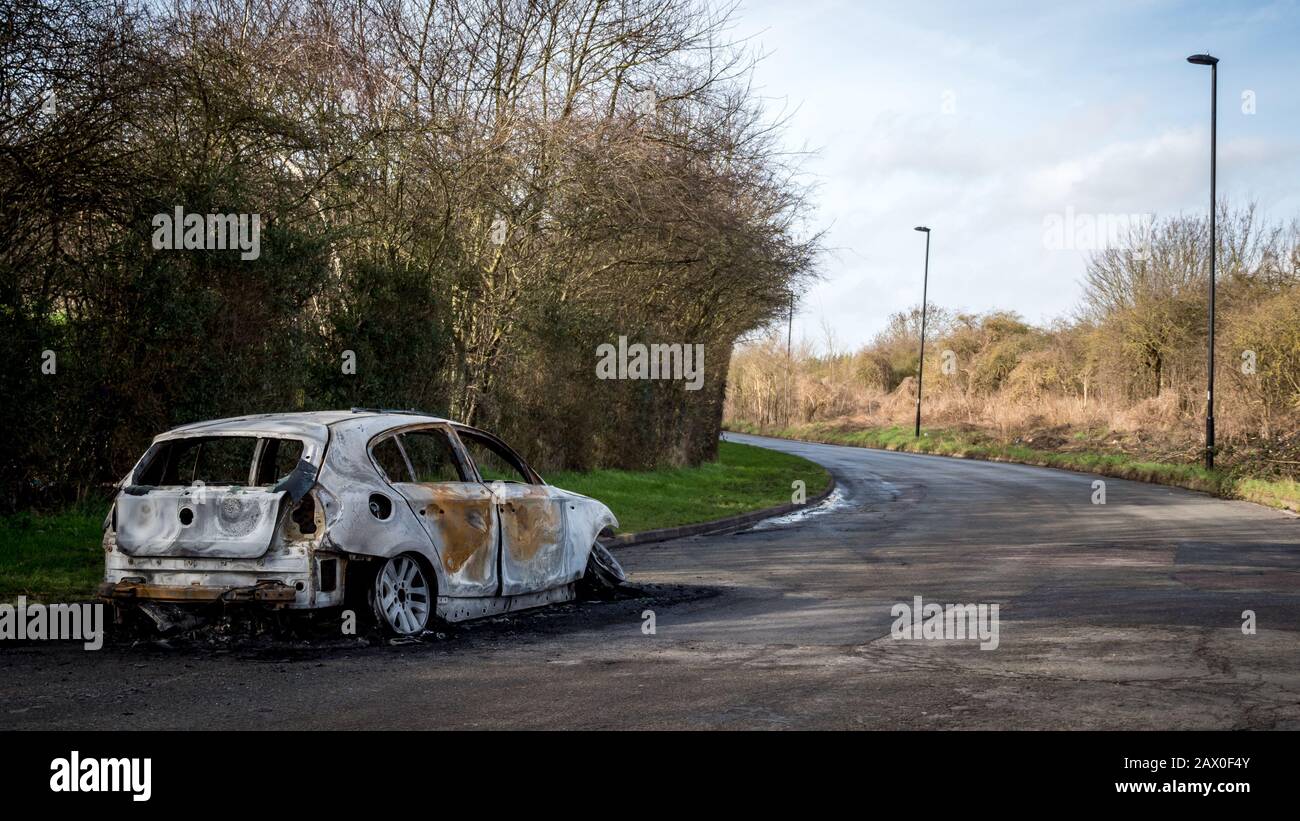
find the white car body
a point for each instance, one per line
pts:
(296, 540)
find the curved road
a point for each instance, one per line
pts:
(1126, 615)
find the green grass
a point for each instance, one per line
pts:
(51, 557)
(1282, 493)
(744, 478)
(57, 557)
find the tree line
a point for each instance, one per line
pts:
(457, 204)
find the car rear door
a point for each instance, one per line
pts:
(423, 465)
(533, 549)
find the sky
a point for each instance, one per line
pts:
(992, 122)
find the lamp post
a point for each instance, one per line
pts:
(920, 365)
(1213, 63)
(789, 364)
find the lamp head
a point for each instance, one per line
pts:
(1202, 60)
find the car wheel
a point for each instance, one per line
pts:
(402, 596)
(603, 574)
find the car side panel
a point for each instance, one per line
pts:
(346, 481)
(534, 553)
(585, 519)
(461, 522)
(539, 509)
(348, 477)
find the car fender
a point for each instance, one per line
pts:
(586, 518)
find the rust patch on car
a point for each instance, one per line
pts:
(464, 523)
(531, 523)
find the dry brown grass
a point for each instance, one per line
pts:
(804, 394)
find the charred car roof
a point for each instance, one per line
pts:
(311, 425)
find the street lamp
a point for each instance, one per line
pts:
(920, 365)
(1213, 63)
(789, 364)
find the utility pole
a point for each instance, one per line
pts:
(920, 365)
(1213, 63)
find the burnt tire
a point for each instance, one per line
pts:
(603, 575)
(403, 596)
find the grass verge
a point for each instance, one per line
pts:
(54, 557)
(744, 478)
(57, 557)
(1279, 493)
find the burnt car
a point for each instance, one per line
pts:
(406, 516)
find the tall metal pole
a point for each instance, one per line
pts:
(789, 364)
(1213, 63)
(920, 365)
(1214, 252)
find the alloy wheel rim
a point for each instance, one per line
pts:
(404, 595)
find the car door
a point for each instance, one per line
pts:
(531, 515)
(455, 509)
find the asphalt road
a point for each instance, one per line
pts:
(1126, 615)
